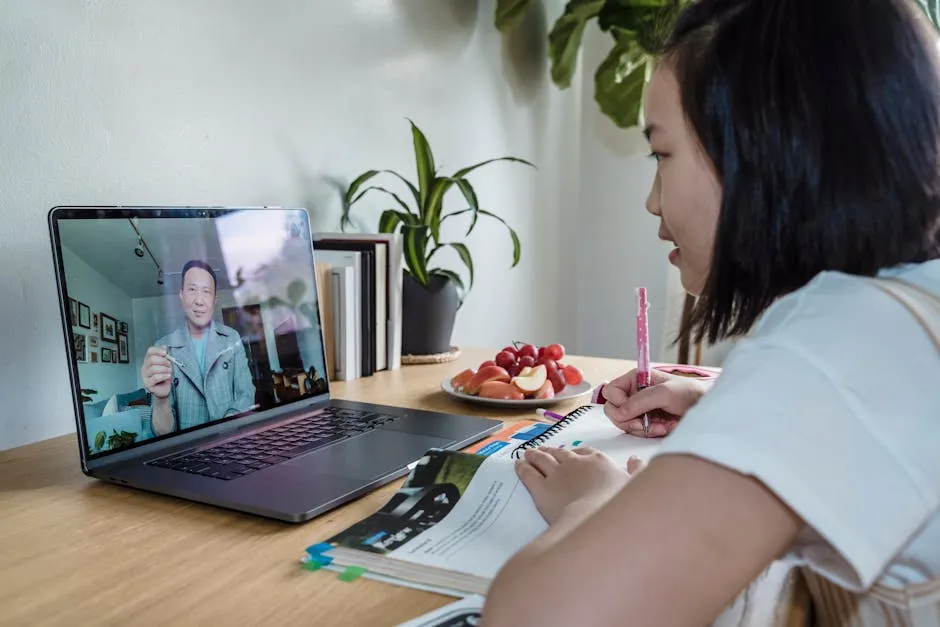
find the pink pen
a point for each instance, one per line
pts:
(642, 348)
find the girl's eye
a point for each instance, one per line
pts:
(655, 155)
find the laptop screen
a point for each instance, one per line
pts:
(179, 318)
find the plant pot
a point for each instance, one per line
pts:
(428, 315)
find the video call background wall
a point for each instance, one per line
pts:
(149, 319)
(89, 287)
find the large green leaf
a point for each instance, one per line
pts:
(379, 188)
(432, 216)
(564, 40)
(409, 184)
(465, 171)
(509, 13)
(391, 218)
(645, 23)
(619, 83)
(462, 251)
(470, 195)
(414, 245)
(424, 162)
(516, 243)
(356, 184)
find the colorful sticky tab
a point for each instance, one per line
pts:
(576, 443)
(311, 565)
(322, 560)
(351, 573)
(318, 549)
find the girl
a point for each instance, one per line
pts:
(797, 155)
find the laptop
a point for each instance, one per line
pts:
(198, 369)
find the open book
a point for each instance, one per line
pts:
(460, 516)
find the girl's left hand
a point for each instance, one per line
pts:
(559, 479)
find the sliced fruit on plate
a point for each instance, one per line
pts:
(546, 391)
(462, 378)
(500, 390)
(530, 379)
(484, 374)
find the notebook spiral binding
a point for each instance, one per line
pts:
(552, 430)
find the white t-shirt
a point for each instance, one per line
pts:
(833, 403)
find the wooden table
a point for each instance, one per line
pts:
(76, 551)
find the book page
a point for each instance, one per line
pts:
(494, 518)
(593, 428)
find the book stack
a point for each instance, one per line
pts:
(359, 279)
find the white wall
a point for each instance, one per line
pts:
(256, 103)
(619, 250)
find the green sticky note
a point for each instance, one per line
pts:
(311, 565)
(576, 443)
(351, 573)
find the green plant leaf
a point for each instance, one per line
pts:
(424, 162)
(463, 172)
(470, 195)
(564, 40)
(414, 244)
(391, 218)
(462, 251)
(356, 184)
(516, 244)
(461, 289)
(409, 184)
(509, 13)
(619, 83)
(379, 188)
(432, 217)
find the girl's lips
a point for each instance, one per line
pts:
(673, 255)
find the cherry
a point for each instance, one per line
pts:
(504, 359)
(555, 351)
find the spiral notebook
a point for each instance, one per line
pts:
(460, 516)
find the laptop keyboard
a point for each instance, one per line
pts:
(236, 458)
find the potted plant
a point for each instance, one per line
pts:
(431, 294)
(638, 28)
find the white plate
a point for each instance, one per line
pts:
(566, 394)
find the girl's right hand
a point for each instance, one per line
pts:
(666, 400)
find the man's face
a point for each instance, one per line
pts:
(197, 296)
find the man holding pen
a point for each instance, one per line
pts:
(199, 372)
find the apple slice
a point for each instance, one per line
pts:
(529, 380)
(484, 374)
(462, 378)
(546, 391)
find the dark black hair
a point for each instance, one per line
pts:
(821, 119)
(196, 263)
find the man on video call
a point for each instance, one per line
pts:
(199, 372)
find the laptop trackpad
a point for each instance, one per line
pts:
(371, 454)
